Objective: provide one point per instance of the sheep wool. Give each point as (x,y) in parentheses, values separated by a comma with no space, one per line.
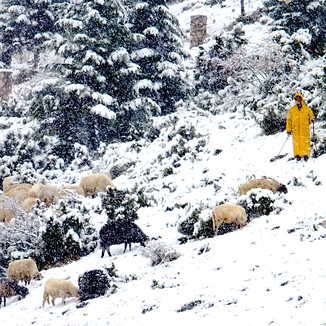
(58,288)
(48,194)
(28,204)
(228,213)
(19,193)
(268,184)
(95,183)
(6,214)
(23,270)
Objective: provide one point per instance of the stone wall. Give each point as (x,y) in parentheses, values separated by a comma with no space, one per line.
(198,26)
(5,83)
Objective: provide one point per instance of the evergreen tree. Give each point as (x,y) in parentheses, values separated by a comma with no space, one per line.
(25,24)
(120,205)
(158,52)
(294,15)
(96,101)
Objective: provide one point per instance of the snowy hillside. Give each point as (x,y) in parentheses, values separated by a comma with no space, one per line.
(271,272)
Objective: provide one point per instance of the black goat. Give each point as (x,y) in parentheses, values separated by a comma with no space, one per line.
(10,288)
(119,232)
(93,284)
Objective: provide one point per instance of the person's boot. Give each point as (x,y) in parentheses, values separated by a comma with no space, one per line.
(306,158)
(298,158)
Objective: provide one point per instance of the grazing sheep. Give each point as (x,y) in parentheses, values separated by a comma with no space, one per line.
(58,288)
(229,214)
(28,204)
(23,270)
(48,194)
(120,232)
(95,183)
(33,192)
(93,284)
(9,208)
(9,288)
(7,184)
(6,214)
(268,184)
(19,193)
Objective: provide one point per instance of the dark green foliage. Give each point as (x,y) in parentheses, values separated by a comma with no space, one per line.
(25,24)
(112,271)
(272,123)
(158,52)
(257,205)
(143,200)
(291,16)
(205,229)
(187,226)
(120,205)
(54,249)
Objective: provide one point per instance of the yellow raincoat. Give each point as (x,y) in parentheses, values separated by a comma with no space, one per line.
(298,123)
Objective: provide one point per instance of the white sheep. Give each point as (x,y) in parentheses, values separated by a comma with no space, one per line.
(28,204)
(19,193)
(95,183)
(230,214)
(48,194)
(33,192)
(6,214)
(9,208)
(58,288)
(263,183)
(23,270)
(7,184)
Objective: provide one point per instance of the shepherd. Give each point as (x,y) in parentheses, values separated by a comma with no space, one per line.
(298,123)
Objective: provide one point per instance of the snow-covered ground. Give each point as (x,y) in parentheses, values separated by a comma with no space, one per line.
(271,272)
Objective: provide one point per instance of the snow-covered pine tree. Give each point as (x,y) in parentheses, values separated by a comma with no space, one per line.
(93,99)
(25,24)
(120,205)
(291,16)
(158,51)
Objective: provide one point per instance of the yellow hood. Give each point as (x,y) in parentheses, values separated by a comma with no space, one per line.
(298,94)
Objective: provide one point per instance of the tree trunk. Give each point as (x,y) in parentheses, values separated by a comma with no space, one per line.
(242,8)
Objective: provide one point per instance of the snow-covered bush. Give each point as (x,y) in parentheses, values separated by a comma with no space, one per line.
(120,205)
(258,202)
(66,233)
(19,239)
(159,252)
(195,227)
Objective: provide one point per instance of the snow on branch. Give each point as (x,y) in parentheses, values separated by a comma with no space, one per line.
(147,84)
(81,37)
(103,98)
(18,10)
(141,5)
(95,15)
(152,31)
(94,57)
(142,53)
(103,111)
(65,22)
(75,88)
(119,55)
(22,19)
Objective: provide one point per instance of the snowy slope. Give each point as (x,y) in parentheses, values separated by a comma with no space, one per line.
(271,272)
